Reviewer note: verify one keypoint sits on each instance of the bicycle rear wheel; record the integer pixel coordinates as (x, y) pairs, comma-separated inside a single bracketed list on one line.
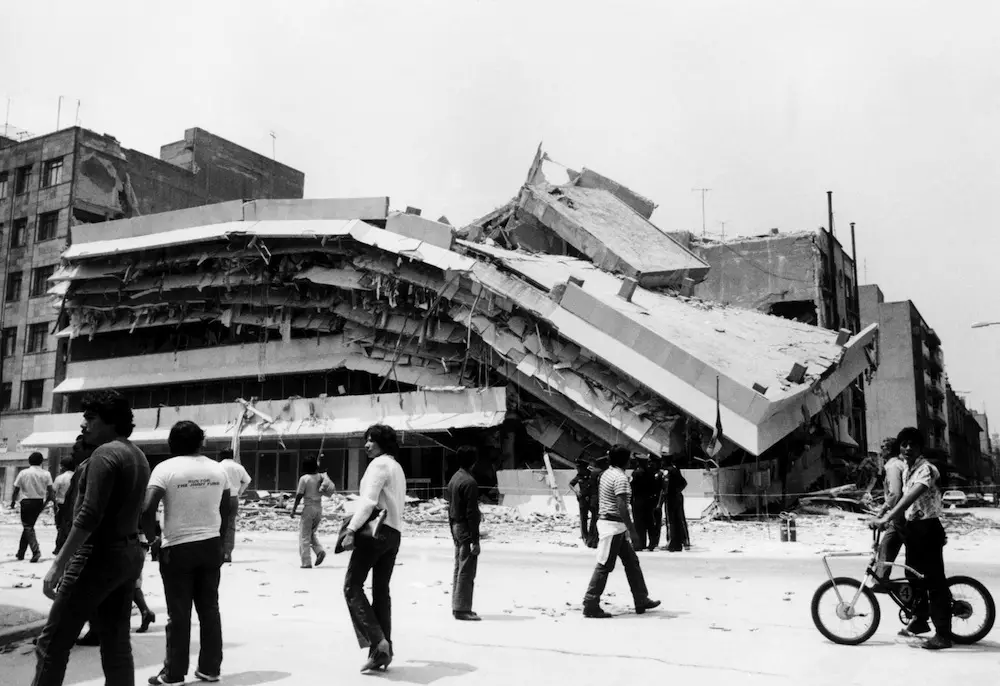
[(839, 620), (972, 610)]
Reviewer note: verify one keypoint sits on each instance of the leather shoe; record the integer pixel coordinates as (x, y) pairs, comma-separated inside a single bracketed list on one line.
[(596, 613), (646, 605), (467, 616), (937, 642)]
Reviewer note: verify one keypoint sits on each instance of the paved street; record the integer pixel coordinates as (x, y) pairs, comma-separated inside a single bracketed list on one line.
[(730, 618)]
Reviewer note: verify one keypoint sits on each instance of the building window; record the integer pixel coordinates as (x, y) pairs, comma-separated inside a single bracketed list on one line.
[(38, 338), (9, 342), (32, 394), (52, 173), (22, 180), (5, 395), (19, 233), (47, 225), (4, 182), (13, 293), (40, 280)]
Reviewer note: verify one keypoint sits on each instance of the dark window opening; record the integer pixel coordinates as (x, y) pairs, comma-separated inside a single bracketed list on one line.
[(38, 338), (52, 173), (32, 394), (19, 233), (40, 280), (797, 310), (13, 290), (6, 392), (22, 180), (9, 344), (48, 225)]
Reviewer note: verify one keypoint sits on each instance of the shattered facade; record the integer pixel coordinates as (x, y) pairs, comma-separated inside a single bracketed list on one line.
[(73, 177)]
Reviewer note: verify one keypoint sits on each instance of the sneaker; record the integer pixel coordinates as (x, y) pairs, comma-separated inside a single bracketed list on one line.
[(467, 616), (596, 613), (36, 558), (937, 642), (320, 556), (202, 676), (647, 604), (306, 567), (162, 680)]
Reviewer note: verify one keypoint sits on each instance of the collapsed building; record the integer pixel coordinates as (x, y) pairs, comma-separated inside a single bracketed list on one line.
[(287, 327)]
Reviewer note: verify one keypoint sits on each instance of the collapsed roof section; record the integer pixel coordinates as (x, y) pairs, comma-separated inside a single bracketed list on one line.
[(616, 362), (596, 218)]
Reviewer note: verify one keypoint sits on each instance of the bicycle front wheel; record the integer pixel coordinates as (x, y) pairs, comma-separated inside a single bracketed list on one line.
[(842, 619), (972, 610)]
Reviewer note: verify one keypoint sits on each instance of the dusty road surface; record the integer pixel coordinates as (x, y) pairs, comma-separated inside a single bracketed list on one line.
[(727, 618)]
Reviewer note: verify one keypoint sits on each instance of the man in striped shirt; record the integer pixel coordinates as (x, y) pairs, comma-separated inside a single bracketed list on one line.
[(616, 534)]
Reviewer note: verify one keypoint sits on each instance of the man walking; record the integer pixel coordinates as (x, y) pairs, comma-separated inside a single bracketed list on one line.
[(239, 480), (645, 498), (34, 484), (196, 498), (892, 538), (463, 515), (60, 489), (616, 533), (95, 571), (925, 538)]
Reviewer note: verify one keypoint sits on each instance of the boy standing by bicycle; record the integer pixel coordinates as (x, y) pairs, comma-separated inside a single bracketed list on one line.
[(925, 539)]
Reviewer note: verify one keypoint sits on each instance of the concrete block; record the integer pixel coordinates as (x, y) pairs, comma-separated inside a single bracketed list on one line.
[(843, 336), (628, 288), (797, 374), (414, 226), (376, 208), (158, 223)]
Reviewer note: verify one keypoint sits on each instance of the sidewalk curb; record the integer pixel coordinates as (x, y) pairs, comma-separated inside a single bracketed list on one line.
[(22, 632)]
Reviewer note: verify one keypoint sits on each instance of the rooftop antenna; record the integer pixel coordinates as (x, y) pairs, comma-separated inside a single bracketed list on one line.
[(58, 112), (76, 122), (274, 139), (703, 191), (6, 121)]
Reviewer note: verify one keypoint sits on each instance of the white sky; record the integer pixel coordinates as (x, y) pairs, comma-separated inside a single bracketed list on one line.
[(893, 106)]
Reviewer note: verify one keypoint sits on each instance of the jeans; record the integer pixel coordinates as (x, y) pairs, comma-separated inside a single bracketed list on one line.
[(889, 546), (64, 522), (463, 580), (190, 573), (925, 553), (98, 582), (621, 547), (30, 509), (308, 541), (230, 541), (372, 621)]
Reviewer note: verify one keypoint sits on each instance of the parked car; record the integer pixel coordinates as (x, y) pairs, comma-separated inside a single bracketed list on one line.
[(955, 499), (976, 500)]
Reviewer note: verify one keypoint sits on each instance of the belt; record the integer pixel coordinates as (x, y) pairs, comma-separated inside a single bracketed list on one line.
[(610, 518)]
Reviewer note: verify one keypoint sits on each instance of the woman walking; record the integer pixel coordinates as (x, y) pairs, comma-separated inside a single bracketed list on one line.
[(312, 487), (383, 488)]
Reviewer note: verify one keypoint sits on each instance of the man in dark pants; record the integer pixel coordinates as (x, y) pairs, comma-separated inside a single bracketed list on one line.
[(656, 467), (60, 490), (645, 498), (95, 571), (925, 538), (616, 533), (581, 482), (673, 494), (34, 485), (195, 494), (463, 515)]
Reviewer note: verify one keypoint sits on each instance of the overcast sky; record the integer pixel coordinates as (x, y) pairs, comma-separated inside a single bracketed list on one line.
[(893, 106)]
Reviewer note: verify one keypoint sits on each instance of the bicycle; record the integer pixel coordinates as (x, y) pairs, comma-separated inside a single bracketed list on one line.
[(858, 606)]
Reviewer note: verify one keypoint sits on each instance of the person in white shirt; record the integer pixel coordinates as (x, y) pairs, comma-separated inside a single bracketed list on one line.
[(60, 489), (34, 484), (196, 497), (383, 487), (239, 480), (313, 485)]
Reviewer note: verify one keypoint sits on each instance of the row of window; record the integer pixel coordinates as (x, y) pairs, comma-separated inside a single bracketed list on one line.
[(32, 394), (51, 176), (38, 339), (39, 283), (46, 229)]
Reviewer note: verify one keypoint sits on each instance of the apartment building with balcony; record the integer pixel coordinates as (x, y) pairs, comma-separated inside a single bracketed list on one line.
[(909, 387)]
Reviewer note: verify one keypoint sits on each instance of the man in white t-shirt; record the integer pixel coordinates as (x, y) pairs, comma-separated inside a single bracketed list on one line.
[(196, 499), (239, 479), (34, 485)]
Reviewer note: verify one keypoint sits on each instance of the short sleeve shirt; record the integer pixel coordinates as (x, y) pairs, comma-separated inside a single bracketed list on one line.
[(60, 487), (613, 484), (312, 488), (34, 482), (193, 486), (928, 505)]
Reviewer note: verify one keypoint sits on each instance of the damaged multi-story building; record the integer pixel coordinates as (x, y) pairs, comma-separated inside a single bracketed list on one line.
[(72, 177), (287, 327)]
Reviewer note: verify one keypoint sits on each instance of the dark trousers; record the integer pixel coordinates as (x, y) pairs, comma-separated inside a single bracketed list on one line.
[(463, 580), (64, 522), (190, 573), (98, 581), (30, 509), (592, 530), (657, 526), (584, 505), (925, 553), (621, 547), (230, 541), (643, 513), (372, 621), (678, 522)]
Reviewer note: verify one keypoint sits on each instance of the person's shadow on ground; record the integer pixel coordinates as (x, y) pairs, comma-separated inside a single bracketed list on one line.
[(422, 671)]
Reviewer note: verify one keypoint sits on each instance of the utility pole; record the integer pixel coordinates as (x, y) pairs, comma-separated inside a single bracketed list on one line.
[(703, 191), (274, 160), (723, 230), (58, 112)]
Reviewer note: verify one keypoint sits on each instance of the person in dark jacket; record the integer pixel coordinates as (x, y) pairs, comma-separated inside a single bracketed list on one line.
[(656, 467), (463, 516), (645, 498), (582, 484), (673, 494)]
